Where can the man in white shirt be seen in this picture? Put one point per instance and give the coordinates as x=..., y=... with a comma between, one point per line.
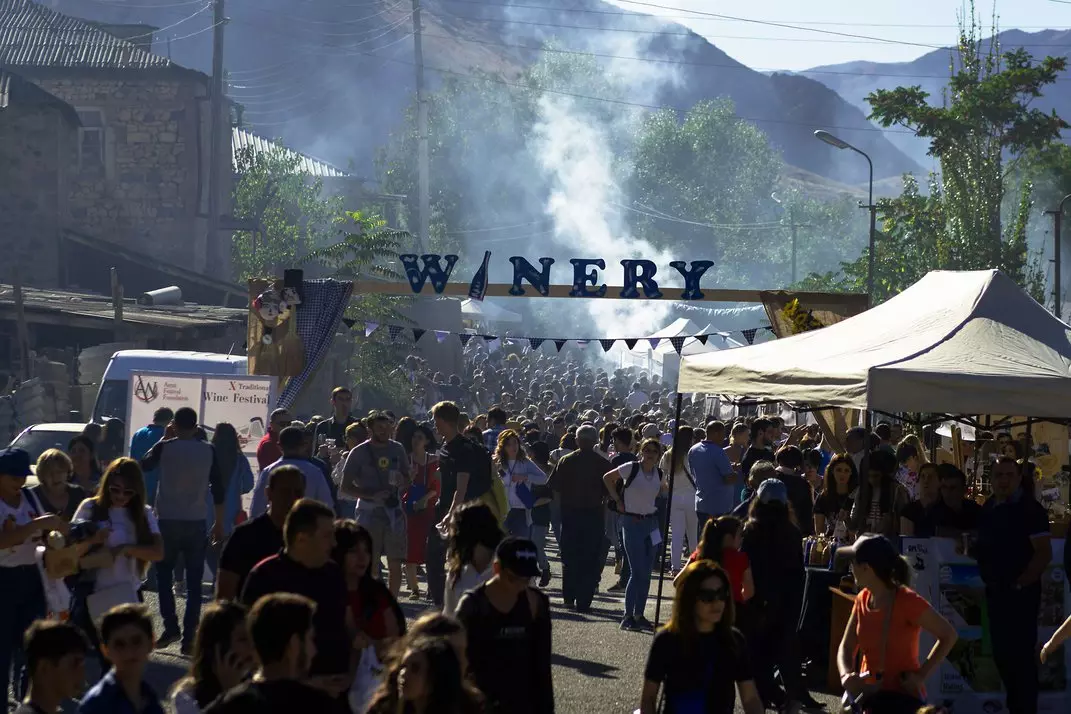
x=292, y=443
x=637, y=397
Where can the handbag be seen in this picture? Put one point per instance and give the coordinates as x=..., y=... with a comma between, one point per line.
x=883, y=701
x=103, y=599
x=416, y=492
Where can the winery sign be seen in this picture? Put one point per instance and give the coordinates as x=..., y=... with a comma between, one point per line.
x=638, y=276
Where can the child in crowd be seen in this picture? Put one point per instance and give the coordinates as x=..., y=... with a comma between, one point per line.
x=56, y=666
x=126, y=639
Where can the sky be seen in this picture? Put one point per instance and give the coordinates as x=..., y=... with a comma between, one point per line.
x=907, y=23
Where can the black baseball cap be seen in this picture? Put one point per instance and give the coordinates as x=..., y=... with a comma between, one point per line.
x=15, y=462
x=519, y=556
x=870, y=549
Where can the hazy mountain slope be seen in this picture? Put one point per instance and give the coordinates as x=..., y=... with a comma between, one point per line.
x=333, y=78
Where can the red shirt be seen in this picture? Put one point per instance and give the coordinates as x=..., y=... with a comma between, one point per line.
x=371, y=615
x=735, y=563
x=268, y=451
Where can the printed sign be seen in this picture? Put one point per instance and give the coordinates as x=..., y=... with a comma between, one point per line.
x=968, y=682
x=150, y=391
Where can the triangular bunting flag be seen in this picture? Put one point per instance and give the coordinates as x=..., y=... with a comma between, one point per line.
x=749, y=335
x=559, y=344
x=464, y=337
x=702, y=339
x=631, y=342
x=583, y=343
x=369, y=328
x=535, y=342
x=348, y=322
x=654, y=342
x=770, y=328
x=394, y=331
x=607, y=344
x=417, y=334
x=677, y=342
x=441, y=335
x=489, y=338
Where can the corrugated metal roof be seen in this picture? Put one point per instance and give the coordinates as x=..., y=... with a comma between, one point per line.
x=15, y=90
x=241, y=139
x=32, y=35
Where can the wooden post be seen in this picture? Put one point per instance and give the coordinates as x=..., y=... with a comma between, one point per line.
x=25, y=371
x=117, y=305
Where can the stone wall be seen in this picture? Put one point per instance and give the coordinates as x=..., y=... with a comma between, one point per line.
x=34, y=141
x=148, y=193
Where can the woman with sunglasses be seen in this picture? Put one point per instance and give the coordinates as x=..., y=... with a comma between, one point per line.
x=133, y=539
x=634, y=488
x=699, y=658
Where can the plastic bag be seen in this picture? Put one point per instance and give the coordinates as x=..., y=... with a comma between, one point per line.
x=366, y=680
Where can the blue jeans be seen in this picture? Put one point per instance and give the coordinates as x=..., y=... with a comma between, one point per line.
x=187, y=539
x=517, y=523
x=22, y=600
x=539, y=537
x=636, y=533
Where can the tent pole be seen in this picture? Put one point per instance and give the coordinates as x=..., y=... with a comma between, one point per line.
x=669, y=508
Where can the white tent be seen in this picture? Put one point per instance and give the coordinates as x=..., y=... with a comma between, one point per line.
x=692, y=346
x=955, y=343
x=486, y=311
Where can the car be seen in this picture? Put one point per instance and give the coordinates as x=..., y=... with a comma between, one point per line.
x=39, y=438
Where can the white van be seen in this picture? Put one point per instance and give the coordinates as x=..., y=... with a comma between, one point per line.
x=112, y=396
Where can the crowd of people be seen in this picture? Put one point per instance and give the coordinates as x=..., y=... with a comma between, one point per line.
x=309, y=552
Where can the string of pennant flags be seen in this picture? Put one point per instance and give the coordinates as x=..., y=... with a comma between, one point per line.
x=535, y=343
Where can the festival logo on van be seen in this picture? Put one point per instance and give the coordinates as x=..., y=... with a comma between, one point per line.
x=146, y=392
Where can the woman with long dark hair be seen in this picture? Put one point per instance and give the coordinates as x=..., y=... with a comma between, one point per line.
x=698, y=658
x=236, y=472
x=883, y=631
x=470, y=550
x=721, y=542
x=420, y=499
x=517, y=472
x=833, y=507
x=403, y=432
x=85, y=469
x=221, y=659
x=376, y=613
x=426, y=679
x=683, y=520
x=112, y=441
x=880, y=497
x=774, y=545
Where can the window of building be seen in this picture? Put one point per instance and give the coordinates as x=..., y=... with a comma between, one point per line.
x=91, y=139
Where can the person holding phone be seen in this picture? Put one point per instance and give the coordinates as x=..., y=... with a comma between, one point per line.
x=222, y=658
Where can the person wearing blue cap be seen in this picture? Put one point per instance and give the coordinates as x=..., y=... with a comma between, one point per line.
x=22, y=596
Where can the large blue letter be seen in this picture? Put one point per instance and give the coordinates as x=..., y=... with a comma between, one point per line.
x=642, y=272
x=581, y=278
x=523, y=270
x=432, y=271
x=691, y=277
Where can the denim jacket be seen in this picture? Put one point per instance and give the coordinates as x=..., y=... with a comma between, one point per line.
x=107, y=697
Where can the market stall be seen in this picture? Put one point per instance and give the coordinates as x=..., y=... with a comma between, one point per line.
x=956, y=343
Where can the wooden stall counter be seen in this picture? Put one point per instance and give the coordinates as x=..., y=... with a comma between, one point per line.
x=843, y=603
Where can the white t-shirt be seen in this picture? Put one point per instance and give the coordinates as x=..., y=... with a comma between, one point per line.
x=683, y=490
x=641, y=494
x=23, y=554
x=469, y=579
x=123, y=533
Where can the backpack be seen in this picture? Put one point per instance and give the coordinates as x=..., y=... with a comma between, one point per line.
x=494, y=497
x=627, y=481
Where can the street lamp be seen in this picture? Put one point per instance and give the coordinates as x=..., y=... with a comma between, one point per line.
x=1057, y=215
x=836, y=143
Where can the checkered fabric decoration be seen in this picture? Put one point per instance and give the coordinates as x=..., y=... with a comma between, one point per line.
x=535, y=342
x=318, y=318
x=606, y=344
x=749, y=335
x=677, y=342
x=464, y=337
x=394, y=331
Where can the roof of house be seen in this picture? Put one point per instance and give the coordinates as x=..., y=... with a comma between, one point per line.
x=307, y=165
x=32, y=35
x=15, y=90
x=97, y=310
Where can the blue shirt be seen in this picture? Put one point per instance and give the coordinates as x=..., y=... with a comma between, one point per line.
x=240, y=484
x=711, y=466
x=144, y=439
x=490, y=437
x=107, y=697
x=315, y=486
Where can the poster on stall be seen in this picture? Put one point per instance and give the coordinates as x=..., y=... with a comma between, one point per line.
x=968, y=682
x=243, y=401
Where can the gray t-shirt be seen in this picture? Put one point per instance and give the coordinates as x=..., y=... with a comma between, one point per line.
x=375, y=467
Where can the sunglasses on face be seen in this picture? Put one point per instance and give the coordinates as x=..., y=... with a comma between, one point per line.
x=709, y=595
x=120, y=491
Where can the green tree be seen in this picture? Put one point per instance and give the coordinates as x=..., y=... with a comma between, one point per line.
x=978, y=207
x=289, y=208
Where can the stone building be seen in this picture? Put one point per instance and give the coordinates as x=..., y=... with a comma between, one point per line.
x=138, y=173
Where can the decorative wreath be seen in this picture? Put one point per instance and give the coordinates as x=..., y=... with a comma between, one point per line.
x=800, y=320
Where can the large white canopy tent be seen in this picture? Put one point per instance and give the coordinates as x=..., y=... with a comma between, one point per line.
x=953, y=343
x=487, y=312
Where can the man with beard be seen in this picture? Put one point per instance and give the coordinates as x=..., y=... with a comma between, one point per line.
x=761, y=448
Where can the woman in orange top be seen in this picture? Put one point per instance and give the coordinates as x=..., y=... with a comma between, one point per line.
x=884, y=631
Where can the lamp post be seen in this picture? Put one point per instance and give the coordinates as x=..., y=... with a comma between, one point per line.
x=1057, y=217
x=836, y=143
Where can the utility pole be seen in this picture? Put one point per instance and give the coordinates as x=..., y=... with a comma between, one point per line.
x=423, y=188
x=792, y=222
x=1057, y=217
x=218, y=127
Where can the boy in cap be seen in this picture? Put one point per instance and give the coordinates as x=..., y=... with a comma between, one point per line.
x=508, y=626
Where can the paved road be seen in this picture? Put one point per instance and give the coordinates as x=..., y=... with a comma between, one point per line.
x=597, y=667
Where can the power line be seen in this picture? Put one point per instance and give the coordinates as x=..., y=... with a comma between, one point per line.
x=112, y=3
x=194, y=34
x=311, y=49
x=204, y=7
x=492, y=229
x=332, y=23
x=752, y=226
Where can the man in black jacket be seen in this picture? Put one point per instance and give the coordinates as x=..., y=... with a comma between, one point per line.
x=789, y=466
